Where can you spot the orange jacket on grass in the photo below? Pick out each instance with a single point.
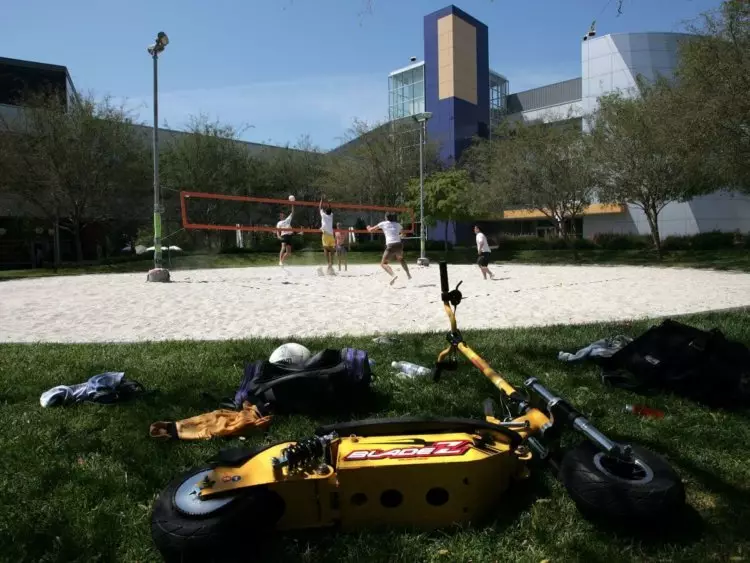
(214, 424)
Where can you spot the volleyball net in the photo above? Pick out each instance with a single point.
(224, 212)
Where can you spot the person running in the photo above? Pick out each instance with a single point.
(394, 248)
(328, 240)
(284, 234)
(342, 246)
(483, 250)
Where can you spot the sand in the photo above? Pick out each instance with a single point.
(295, 302)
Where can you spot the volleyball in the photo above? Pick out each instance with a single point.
(290, 354)
(291, 198)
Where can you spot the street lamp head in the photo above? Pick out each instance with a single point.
(161, 41)
(422, 117)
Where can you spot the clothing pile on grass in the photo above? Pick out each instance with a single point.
(699, 364)
(331, 380)
(104, 389)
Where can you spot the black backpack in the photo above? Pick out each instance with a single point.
(701, 365)
(330, 380)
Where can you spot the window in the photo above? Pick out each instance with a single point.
(406, 93)
(498, 99)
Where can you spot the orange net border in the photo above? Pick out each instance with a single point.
(186, 224)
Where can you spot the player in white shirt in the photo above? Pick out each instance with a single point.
(328, 240)
(394, 248)
(483, 250)
(284, 234)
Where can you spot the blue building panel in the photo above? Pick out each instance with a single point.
(454, 121)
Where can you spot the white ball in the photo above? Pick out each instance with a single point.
(291, 198)
(290, 354)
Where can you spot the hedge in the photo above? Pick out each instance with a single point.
(313, 242)
(715, 240)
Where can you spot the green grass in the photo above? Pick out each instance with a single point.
(78, 482)
(728, 259)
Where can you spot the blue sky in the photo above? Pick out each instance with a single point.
(299, 67)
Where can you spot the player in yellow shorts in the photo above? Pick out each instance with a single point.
(328, 240)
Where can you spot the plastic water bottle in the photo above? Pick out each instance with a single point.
(411, 370)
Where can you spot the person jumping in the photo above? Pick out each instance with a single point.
(394, 248)
(483, 250)
(328, 240)
(284, 234)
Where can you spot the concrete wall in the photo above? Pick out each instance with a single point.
(720, 211)
(613, 62)
(558, 112)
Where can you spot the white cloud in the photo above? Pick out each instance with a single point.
(281, 111)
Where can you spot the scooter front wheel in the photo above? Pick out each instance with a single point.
(185, 528)
(635, 492)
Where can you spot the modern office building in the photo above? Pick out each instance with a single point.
(25, 237)
(466, 98)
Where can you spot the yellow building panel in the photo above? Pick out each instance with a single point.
(445, 90)
(445, 61)
(445, 25)
(445, 58)
(445, 40)
(464, 60)
(593, 209)
(457, 59)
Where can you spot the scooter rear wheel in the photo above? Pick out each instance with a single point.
(631, 493)
(185, 528)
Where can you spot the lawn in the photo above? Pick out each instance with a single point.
(78, 482)
(727, 259)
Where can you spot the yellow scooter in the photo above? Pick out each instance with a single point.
(420, 473)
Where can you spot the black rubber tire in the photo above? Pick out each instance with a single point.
(604, 496)
(182, 537)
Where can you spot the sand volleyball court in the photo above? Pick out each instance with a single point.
(295, 301)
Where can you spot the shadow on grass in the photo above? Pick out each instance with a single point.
(684, 527)
(294, 545)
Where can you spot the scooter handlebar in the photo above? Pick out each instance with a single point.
(444, 278)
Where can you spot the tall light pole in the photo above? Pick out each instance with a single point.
(158, 273)
(422, 118)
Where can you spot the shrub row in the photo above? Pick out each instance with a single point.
(715, 240)
(313, 242)
(604, 241)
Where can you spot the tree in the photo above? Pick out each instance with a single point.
(295, 170)
(546, 167)
(642, 158)
(375, 163)
(447, 197)
(713, 81)
(76, 163)
(209, 157)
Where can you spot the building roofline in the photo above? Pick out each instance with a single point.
(500, 74)
(645, 33)
(41, 66)
(242, 141)
(404, 69)
(34, 65)
(545, 86)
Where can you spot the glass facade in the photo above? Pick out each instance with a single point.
(498, 99)
(406, 92)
